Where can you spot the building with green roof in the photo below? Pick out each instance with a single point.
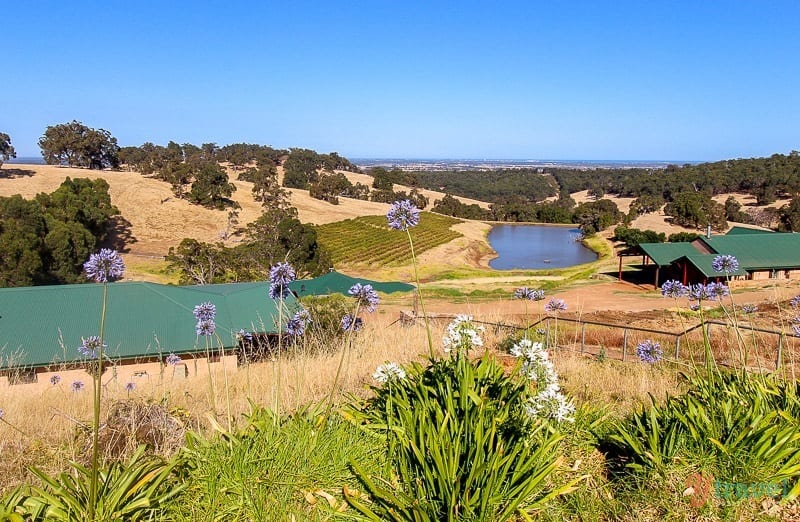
(761, 255)
(42, 326)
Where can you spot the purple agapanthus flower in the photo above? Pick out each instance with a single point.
(205, 311)
(649, 351)
(348, 323)
(296, 326)
(244, 335)
(90, 346)
(206, 327)
(528, 293)
(709, 292)
(796, 330)
(403, 215)
(673, 288)
(280, 276)
(795, 301)
(717, 291)
(749, 308)
(725, 263)
(365, 295)
(555, 305)
(105, 266)
(173, 359)
(129, 387)
(55, 379)
(76, 386)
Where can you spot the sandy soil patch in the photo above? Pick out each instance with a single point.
(624, 204)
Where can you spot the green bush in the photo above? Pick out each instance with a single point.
(461, 443)
(739, 427)
(138, 490)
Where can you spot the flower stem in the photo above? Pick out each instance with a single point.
(341, 359)
(97, 376)
(419, 293)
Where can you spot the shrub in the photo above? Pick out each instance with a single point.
(739, 427)
(462, 442)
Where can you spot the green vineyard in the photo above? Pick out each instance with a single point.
(369, 241)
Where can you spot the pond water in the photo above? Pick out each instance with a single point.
(537, 246)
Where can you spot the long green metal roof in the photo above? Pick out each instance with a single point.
(44, 325)
(664, 254)
(337, 283)
(759, 251)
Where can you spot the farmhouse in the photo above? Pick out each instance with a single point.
(761, 255)
(41, 328)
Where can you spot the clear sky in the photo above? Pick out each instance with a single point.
(670, 80)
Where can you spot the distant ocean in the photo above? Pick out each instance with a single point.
(27, 160)
(473, 164)
(489, 164)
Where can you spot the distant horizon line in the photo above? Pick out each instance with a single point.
(400, 159)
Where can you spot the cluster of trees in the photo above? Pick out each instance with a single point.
(591, 216)
(46, 240)
(383, 187)
(277, 235)
(632, 237)
(76, 145)
(193, 172)
(6, 149)
(302, 167)
(531, 185)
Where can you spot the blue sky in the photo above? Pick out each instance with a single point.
(503, 80)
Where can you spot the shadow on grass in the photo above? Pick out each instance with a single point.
(11, 173)
(119, 235)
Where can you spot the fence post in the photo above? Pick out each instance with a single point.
(677, 346)
(624, 343)
(780, 352)
(583, 336)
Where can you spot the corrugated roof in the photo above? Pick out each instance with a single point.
(337, 283)
(44, 325)
(747, 230)
(703, 263)
(664, 254)
(759, 251)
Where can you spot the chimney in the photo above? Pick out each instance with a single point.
(708, 230)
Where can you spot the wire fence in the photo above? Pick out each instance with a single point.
(761, 347)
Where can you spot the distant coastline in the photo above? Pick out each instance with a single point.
(456, 164)
(492, 164)
(26, 160)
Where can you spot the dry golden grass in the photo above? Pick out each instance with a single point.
(48, 428)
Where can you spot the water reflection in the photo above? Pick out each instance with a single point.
(537, 246)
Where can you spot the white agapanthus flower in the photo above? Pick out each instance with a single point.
(389, 372)
(552, 404)
(538, 368)
(462, 333)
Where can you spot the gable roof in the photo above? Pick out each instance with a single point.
(44, 325)
(664, 254)
(337, 283)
